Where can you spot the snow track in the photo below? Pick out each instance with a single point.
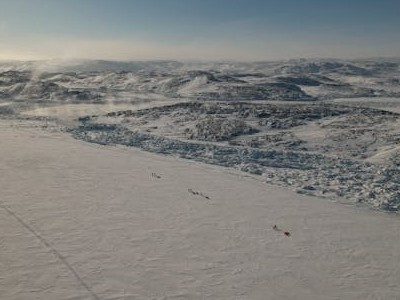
(50, 247)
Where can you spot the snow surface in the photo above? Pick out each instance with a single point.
(83, 221)
(71, 111)
(101, 220)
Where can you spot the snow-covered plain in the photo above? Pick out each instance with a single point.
(83, 221)
(230, 151)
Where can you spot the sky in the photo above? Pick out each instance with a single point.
(244, 30)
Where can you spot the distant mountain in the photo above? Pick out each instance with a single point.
(292, 80)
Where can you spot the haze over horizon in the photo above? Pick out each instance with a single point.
(198, 29)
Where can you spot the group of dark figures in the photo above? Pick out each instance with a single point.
(287, 233)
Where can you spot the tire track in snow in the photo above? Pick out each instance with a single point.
(52, 250)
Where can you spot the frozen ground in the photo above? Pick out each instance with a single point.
(84, 221)
(107, 220)
(72, 111)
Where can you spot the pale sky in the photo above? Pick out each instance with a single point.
(198, 29)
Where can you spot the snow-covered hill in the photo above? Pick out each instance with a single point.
(288, 80)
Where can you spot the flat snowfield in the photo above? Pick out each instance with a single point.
(82, 221)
